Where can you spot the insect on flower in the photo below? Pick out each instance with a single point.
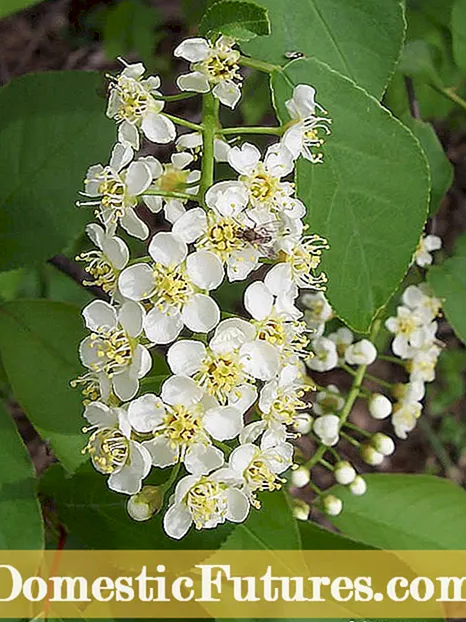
(262, 236)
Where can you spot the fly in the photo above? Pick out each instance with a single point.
(262, 237)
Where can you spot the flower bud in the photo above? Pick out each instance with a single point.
(301, 477)
(361, 353)
(300, 509)
(379, 406)
(145, 504)
(383, 444)
(371, 456)
(332, 505)
(303, 423)
(358, 486)
(344, 473)
(326, 428)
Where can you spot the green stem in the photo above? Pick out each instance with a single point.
(350, 439)
(274, 131)
(391, 359)
(210, 106)
(175, 98)
(450, 94)
(355, 428)
(173, 475)
(226, 450)
(179, 121)
(171, 195)
(260, 65)
(382, 383)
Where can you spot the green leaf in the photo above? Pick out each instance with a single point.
(458, 31)
(97, 516)
(360, 39)
(316, 538)
(411, 512)
(374, 176)
(417, 61)
(441, 169)
(39, 349)
(241, 20)
(448, 281)
(20, 516)
(11, 6)
(52, 127)
(270, 528)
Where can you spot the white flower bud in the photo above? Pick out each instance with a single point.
(145, 504)
(332, 505)
(358, 486)
(371, 456)
(327, 428)
(303, 423)
(300, 509)
(301, 477)
(383, 444)
(361, 353)
(379, 406)
(344, 473)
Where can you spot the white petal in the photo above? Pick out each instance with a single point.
(278, 279)
(185, 357)
(155, 166)
(116, 251)
(142, 362)
(177, 521)
(158, 129)
(231, 334)
(146, 413)
(180, 390)
(205, 269)
(241, 457)
(131, 315)
(260, 359)
(162, 452)
(134, 70)
(133, 225)
(236, 188)
(244, 159)
(125, 385)
(195, 81)
(121, 156)
(161, 327)
(128, 479)
(228, 92)
(128, 134)
(99, 313)
(194, 49)
(243, 397)
(174, 209)
(201, 314)
(96, 234)
(293, 139)
(191, 225)
(258, 300)
(223, 423)
(138, 178)
(88, 353)
(242, 263)
(154, 203)
(100, 414)
(167, 249)
(181, 160)
(252, 431)
(137, 282)
(238, 506)
(302, 104)
(201, 460)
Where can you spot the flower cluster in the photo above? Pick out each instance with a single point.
(221, 421)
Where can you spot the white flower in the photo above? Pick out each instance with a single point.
(173, 285)
(327, 429)
(427, 244)
(325, 355)
(302, 137)
(171, 177)
(410, 392)
(380, 406)
(206, 501)
(328, 401)
(193, 144)
(106, 263)
(361, 353)
(358, 486)
(301, 258)
(116, 189)
(332, 505)
(404, 418)
(383, 444)
(183, 421)
(420, 300)
(135, 105)
(344, 473)
(422, 365)
(317, 312)
(214, 67)
(112, 451)
(259, 467)
(301, 477)
(407, 327)
(113, 348)
(342, 338)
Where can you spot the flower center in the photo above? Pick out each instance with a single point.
(183, 425)
(222, 65)
(173, 288)
(304, 258)
(113, 349)
(205, 502)
(219, 375)
(172, 179)
(113, 192)
(100, 269)
(222, 238)
(287, 404)
(262, 186)
(90, 387)
(273, 331)
(108, 449)
(406, 325)
(134, 100)
(259, 477)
